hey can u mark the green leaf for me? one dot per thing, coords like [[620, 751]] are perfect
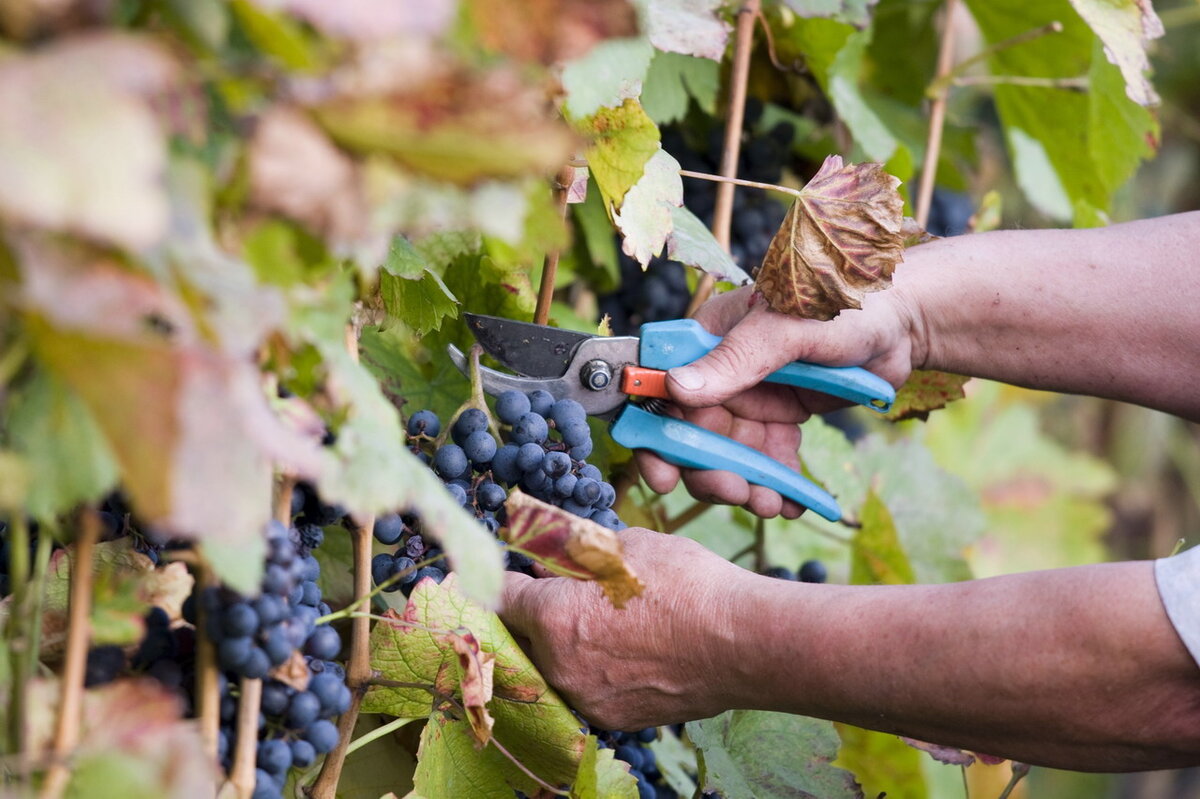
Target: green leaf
[[449, 765], [768, 755], [404, 260], [276, 35], [692, 243], [606, 75], [436, 384], [285, 254], [1071, 150], [877, 558], [883, 763], [420, 304], [532, 722], [676, 761], [596, 234], [602, 776], [673, 80], [854, 12], [623, 140], [67, 458]]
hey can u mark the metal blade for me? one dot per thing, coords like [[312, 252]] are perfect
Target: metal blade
[[601, 401], [527, 349]]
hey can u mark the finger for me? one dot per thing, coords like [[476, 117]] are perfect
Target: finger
[[750, 351], [764, 503], [517, 606], [661, 476], [717, 486]]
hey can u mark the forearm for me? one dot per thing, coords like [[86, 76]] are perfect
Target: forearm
[[1076, 668], [1112, 312]]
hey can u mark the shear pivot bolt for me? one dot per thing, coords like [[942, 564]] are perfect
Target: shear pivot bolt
[[597, 375]]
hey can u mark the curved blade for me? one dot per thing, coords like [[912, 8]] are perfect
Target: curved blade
[[528, 349]]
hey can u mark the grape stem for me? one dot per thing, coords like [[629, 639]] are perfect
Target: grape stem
[[1019, 770], [377, 733], [747, 16], [241, 775], [70, 705], [208, 694], [349, 611], [358, 666], [751, 184], [478, 399]]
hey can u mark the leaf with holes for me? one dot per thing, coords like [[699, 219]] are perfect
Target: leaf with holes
[[1126, 28], [645, 218], [570, 546], [841, 239]]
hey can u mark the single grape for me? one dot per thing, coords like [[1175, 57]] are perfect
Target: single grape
[[608, 496], [582, 451], [529, 457], [480, 448], [302, 710], [472, 420], [324, 643], [257, 665], [576, 433], [458, 492], [274, 756], [381, 567], [556, 464], [607, 518], [323, 736], [587, 491], [504, 463], [424, 423], [270, 609], [312, 593], [566, 411], [265, 786], [530, 428], [565, 486], [232, 653], [511, 406], [303, 754], [540, 402], [275, 698], [589, 470], [450, 462], [780, 573], [489, 496], [813, 571], [388, 528]]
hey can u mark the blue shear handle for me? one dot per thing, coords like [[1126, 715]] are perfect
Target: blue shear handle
[[685, 444], [677, 342]]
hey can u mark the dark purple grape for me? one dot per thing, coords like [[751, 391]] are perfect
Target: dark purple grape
[[424, 423], [540, 402], [511, 406], [388, 528]]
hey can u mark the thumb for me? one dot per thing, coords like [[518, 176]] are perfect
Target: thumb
[[750, 351]]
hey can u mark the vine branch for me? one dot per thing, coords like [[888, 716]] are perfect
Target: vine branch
[[358, 666], [937, 114], [747, 15], [550, 267], [241, 775], [70, 703]]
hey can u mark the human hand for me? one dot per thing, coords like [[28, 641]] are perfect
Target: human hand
[[723, 390], [660, 660]]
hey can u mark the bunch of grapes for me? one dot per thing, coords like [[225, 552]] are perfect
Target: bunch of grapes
[[545, 455], [659, 293]]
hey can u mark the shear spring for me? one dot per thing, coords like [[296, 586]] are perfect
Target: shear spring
[[654, 405]]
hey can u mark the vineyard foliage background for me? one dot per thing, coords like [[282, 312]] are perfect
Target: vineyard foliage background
[[202, 201]]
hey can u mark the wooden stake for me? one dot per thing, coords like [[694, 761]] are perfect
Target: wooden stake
[[937, 115]]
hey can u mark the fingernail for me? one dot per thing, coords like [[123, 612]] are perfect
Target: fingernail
[[687, 378]]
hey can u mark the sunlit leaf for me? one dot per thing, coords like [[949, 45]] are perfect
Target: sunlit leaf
[[646, 215], [607, 76], [692, 243], [571, 546], [691, 27], [623, 140], [876, 556], [1126, 28], [421, 304], [840, 240], [675, 79]]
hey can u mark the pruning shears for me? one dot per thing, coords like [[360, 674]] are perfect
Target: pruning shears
[[623, 379]]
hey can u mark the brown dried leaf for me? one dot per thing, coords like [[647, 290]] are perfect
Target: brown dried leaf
[[570, 546], [951, 755], [926, 391], [841, 239], [296, 171], [550, 31], [913, 234], [476, 669], [293, 672]]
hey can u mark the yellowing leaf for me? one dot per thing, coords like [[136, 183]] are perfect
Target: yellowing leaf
[[83, 150], [841, 239], [602, 776], [623, 140], [877, 556], [570, 546], [457, 126], [926, 391], [1126, 28]]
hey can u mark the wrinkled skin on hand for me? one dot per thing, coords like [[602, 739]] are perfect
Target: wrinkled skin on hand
[[723, 392], [657, 661]]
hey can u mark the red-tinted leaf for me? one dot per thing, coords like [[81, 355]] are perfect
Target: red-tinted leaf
[[476, 669], [570, 546], [550, 31], [926, 391], [841, 239]]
